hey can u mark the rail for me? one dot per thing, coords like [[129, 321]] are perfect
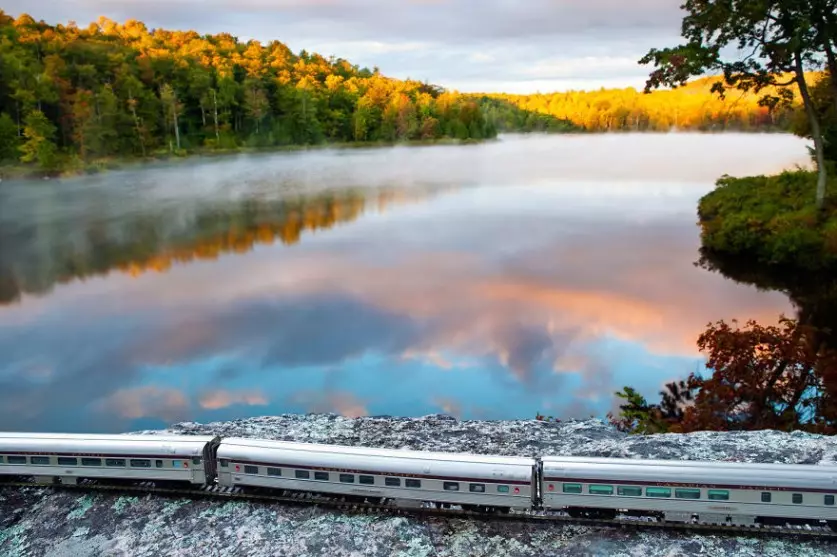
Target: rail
[[352, 507]]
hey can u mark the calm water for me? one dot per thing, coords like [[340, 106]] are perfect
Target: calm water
[[489, 281]]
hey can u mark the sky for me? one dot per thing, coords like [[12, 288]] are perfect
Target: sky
[[515, 46]]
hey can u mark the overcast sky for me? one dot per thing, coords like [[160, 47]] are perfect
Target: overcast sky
[[471, 45]]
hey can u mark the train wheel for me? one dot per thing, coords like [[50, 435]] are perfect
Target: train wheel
[[582, 512], [832, 524]]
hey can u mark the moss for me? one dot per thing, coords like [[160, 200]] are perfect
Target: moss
[[84, 505], [772, 220]]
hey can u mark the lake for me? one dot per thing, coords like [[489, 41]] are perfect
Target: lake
[[493, 281]]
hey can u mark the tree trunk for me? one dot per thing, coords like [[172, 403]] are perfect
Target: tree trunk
[[832, 70], [176, 127], [133, 106], [816, 132], [217, 135]]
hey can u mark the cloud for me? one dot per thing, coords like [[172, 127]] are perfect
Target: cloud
[[343, 403], [145, 402], [448, 406], [214, 400]]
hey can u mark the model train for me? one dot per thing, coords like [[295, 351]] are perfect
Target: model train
[[681, 491]]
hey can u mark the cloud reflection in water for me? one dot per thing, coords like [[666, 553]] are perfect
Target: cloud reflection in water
[[489, 301]]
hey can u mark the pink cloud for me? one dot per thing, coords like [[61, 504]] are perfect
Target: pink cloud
[[145, 402], [214, 400]]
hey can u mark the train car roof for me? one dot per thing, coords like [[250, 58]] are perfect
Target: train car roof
[[105, 436], [373, 451], [721, 474], [158, 445], [458, 466], [685, 463]]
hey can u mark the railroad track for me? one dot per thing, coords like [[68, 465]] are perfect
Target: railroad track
[[341, 504]]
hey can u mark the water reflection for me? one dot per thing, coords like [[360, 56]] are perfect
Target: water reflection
[[494, 291], [35, 255]]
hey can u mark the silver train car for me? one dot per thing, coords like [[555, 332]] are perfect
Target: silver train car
[[709, 492], [64, 458], [677, 491], [407, 477]]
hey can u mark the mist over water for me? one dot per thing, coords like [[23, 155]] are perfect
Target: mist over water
[[492, 281]]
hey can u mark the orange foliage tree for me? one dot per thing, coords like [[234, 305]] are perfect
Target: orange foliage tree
[[762, 377]]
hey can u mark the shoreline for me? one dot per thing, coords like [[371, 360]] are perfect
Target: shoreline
[[29, 173], [21, 172]]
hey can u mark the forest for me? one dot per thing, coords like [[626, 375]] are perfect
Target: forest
[[71, 95], [691, 107], [75, 99]]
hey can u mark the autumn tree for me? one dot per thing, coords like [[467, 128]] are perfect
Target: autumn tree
[[39, 146], [780, 377], [172, 107], [780, 39]]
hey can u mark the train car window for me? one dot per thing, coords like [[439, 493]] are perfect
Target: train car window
[[829, 500], [302, 474], [1, 460], [451, 486], [274, 471], [114, 462], [502, 489], [719, 495], [413, 483], [196, 460], [347, 478], [477, 488], [765, 496], [323, 476], [572, 488], [67, 461], [251, 469], [17, 460], [367, 480], [140, 463], [629, 491], [40, 460], [225, 463], [158, 463], [600, 489], [658, 492], [687, 493], [91, 461], [392, 482], [797, 498]]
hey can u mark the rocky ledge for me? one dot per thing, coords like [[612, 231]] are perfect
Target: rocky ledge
[[42, 522]]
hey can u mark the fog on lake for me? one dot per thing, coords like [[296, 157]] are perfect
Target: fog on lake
[[537, 273]]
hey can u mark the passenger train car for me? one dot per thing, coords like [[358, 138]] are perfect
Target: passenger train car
[[681, 491], [711, 492], [486, 482], [65, 457]]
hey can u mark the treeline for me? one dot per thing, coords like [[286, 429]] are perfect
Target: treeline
[[505, 116], [692, 107], [70, 95]]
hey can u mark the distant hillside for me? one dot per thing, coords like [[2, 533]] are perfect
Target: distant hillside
[[692, 107], [70, 95]]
